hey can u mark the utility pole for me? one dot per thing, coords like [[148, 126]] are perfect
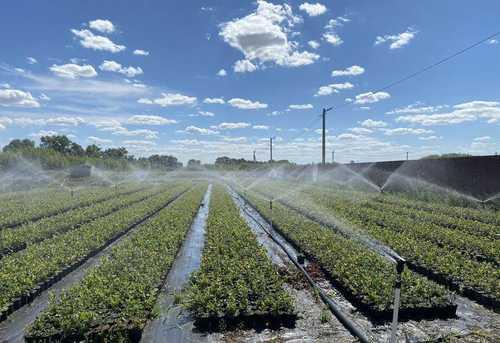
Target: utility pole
[[333, 156], [271, 149], [323, 136], [407, 155], [254, 159]]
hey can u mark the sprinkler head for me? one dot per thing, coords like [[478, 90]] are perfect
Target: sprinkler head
[[400, 266], [270, 204]]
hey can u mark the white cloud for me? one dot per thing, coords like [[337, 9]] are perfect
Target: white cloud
[[91, 41], [465, 112], [138, 144], [65, 121], [275, 113], [169, 99], [73, 71], [360, 130], [337, 22], [218, 101], [351, 71], [150, 120], [313, 10], [260, 127], [141, 52], [332, 38], [44, 97], [231, 126], [121, 131], [99, 141], [482, 139], [235, 139], [416, 108], [2, 126], [370, 97], [262, 36], [397, 40], [4, 85], [406, 131], [116, 67], [301, 107], [43, 133], [333, 88], [430, 138], [244, 66], [206, 114], [200, 130], [222, 72], [370, 123], [313, 44], [17, 98], [31, 60], [102, 25], [246, 104], [493, 41]]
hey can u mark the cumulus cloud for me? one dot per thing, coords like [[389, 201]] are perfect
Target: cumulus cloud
[[406, 131], [301, 107], [116, 67], [231, 126], [245, 104], [122, 131], [141, 52], [102, 25], [44, 97], [351, 71], [332, 38], [336, 22], [218, 101], [31, 60], [370, 97], [17, 98], [360, 130], [313, 44], [370, 123], [169, 99], [206, 114], [244, 66], [260, 127], [262, 36], [150, 120], [465, 112], [398, 40], [99, 141], [200, 130], [333, 88], [417, 108], [313, 10], [91, 41], [73, 71], [222, 72]]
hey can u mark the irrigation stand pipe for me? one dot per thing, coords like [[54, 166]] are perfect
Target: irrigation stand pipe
[[353, 329], [397, 296]]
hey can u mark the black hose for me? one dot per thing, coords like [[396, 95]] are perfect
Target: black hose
[[348, 324]]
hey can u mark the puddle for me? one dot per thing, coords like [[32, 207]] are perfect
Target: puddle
[[173, 322]]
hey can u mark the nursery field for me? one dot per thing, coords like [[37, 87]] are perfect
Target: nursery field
[[111, 249]]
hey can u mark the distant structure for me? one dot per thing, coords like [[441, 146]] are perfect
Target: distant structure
[[81, 170]]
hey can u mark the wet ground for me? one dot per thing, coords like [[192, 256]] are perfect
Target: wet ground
[[474, 323]]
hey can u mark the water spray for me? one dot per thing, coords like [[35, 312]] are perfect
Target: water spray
[[400, 265]]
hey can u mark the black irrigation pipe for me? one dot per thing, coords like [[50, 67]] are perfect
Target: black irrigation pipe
[[348, 323], [374, 315], [486, 300], [66, 209], [15, 248], [42, 286]]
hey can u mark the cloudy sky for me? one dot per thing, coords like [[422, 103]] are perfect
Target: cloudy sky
[[201, 79]]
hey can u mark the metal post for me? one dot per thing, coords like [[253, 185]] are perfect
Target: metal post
[[254, 159], [333, 156], [271, 149], [397, 295], [407, 155], [271, 215], [323, 138]]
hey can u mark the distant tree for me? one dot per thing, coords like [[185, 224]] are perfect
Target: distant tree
[[116, 153], [194, 164], [59, 143], [93, 151], [165, 162], [449, 155], [18, 144], [76, 149]]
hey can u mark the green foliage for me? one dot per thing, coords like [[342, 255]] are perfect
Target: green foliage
[[21, 272], [120, 294], [235, 278]]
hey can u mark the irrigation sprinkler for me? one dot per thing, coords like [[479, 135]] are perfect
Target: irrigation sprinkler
[[400, 265], [271, 215]]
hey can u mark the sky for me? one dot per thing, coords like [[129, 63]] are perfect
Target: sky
[[202, 79]]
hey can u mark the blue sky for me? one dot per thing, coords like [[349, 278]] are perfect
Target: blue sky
[[205, 79]]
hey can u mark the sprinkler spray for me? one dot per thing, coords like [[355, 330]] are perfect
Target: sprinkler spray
[[400, 265]]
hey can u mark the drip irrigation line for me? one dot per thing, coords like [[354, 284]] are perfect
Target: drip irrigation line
[[428, 67]]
